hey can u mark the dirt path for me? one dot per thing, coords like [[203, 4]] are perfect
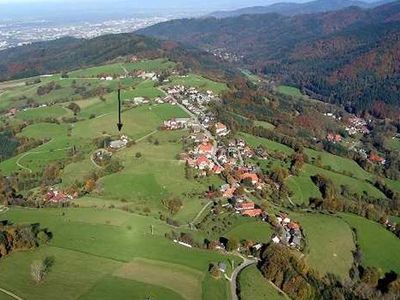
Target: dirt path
[[146, 136], [12, 295], [201, 212]]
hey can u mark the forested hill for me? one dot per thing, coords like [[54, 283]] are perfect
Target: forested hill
[[67, 54], [293, 8], [351, 56]]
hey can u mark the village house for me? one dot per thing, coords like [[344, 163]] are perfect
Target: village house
[[375, 158], [205, 148], [203, 163], [56, 196], [118, 144], [221, 129]]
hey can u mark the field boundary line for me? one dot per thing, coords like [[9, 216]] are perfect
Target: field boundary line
[[37, 152], [12, 295]]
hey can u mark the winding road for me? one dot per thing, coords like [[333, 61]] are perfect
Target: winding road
[[233, 279]]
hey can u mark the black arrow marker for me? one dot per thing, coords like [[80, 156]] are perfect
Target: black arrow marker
[[119, 124]]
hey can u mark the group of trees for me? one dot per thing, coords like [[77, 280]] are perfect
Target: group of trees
[[292, 275], [47, 88], [21, 237]]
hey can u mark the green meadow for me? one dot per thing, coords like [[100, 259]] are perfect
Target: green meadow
[[107, 248], [303, 188], [290, 91], [379, 247], [329, 243], [255, 141], [119, 68], [253, 231]]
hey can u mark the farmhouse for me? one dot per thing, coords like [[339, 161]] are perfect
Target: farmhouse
[[252, 212], [56, 196], [118, 144], [176, 123]]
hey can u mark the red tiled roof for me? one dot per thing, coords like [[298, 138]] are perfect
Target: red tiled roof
[[205, 148], [247, 205], [252, 176], [252, 212]]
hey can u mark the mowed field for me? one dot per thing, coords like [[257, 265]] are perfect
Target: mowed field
[[379, 247], [259, 232], [94, 247], [329, 243]]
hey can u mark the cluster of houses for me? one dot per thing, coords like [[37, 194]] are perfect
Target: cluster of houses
[[248, 209], [357, 125], [290, 235], [56, 196], [334, 138], [192, 99]]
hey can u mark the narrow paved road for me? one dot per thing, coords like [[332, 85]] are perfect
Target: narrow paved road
[[233, 280], [12, 295]]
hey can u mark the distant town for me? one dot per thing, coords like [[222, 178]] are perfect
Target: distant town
[[13, 34]]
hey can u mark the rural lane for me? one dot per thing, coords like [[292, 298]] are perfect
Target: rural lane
[[233, 280]]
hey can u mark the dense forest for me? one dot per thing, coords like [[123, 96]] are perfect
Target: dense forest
[[349, 56]]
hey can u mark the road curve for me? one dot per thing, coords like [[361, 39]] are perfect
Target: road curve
[[233, 280]]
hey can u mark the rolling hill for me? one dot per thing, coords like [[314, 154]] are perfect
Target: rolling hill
[[69, 53], [293, 8], [349, 56]]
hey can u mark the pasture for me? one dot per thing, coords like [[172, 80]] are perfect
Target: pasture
[[339, 164], [329, 243], [290, 91], [42, 113], [270, 145], [355, 185], [252, 231], [107, 246], [379, 247], [303, 188]]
